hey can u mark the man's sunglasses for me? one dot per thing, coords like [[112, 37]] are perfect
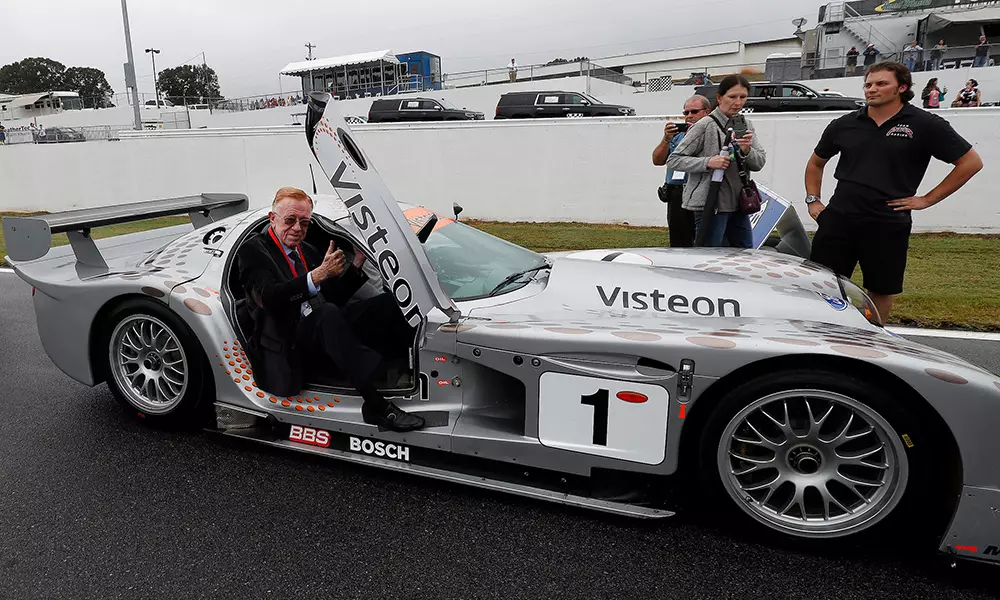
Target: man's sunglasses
[[692, 111], [290, 221]]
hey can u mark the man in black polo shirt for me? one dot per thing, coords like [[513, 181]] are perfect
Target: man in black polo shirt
[[884, 149]]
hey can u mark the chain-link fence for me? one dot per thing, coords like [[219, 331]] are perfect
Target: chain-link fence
[[61, 135]]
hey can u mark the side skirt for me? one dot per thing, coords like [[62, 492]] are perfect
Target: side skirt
[[265, 435]]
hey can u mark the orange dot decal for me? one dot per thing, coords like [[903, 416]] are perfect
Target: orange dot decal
[[322, 408], [298, 408], [232, 364], [236, 379], [248, 388], [274, 400], [228, 372], [316, 398], [286, 403], [239, 370], [311, 408], [260, 394], [309, 400], [330, 404], [227, 356], [246, 378]]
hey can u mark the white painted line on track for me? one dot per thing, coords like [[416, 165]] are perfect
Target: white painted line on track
[[6, 270], [946, 333]]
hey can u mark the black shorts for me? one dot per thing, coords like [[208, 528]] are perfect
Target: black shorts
[[880, 246]]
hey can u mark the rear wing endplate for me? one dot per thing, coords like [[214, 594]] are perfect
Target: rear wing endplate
[[29, 238]]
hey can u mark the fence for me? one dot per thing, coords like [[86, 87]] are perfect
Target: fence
[[533, 73], [58, 135]]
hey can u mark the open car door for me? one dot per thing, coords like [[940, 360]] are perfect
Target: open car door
[[386, 232]]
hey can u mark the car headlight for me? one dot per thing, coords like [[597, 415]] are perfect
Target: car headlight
[[624, 111], [860, 300]]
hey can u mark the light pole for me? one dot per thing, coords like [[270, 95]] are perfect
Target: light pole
[[130, 70], [153, 52]]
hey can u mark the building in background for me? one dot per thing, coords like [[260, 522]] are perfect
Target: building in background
[[28, 106], [367, 74], [892, 24]]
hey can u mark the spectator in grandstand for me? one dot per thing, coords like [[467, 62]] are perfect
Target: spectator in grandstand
[[969, 96], [931, 94], [937, 53], [885, 149], [852, 60], [699, 154], [982, 53], [512, 71], [3, 134], [680, 222], [911, 54], [871, 53]]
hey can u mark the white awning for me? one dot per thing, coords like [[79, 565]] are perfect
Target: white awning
[[981, 15], [26, 100], [305, 66]]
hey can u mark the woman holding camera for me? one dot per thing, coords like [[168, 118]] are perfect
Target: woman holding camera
[[700, 154]]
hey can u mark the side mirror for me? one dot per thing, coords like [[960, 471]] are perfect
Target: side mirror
[[810, 95], [455, 206], [438, 107]]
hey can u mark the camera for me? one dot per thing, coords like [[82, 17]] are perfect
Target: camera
[[681, 127]]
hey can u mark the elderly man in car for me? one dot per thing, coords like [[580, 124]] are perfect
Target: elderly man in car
[[299, 295]]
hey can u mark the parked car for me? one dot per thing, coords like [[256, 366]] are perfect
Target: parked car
[[786, 97], [55, 135], [527, 105], [419, 109]]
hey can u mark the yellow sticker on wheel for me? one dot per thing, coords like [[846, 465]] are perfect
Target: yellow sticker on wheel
[[907, 441]]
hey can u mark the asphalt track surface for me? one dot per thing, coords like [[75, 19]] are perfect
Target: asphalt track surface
[[95, 504]]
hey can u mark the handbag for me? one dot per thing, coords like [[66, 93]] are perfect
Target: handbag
[[749, 196], [661, 193]]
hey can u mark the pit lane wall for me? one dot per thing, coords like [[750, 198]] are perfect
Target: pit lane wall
[[590, 170]]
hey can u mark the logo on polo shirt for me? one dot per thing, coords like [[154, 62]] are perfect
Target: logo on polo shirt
[[900, 131]]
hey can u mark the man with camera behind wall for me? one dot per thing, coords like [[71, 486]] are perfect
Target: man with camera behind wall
[[680, 222]]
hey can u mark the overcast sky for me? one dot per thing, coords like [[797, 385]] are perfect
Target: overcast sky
[[247, 42]]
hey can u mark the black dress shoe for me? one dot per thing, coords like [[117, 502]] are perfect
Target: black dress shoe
[[393, 418]]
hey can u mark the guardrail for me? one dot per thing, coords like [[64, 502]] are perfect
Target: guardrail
[[59, 135]]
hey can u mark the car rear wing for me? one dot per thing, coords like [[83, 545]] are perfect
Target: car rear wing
[[29, 238]]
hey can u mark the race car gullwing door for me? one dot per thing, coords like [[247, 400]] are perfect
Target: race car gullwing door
[[385, 230]]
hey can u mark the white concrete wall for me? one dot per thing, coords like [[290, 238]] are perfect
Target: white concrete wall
[[592, 170]]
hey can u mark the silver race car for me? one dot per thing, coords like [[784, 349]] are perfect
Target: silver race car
[[586, 378]]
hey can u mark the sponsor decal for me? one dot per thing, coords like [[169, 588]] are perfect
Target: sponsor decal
[[992, 551], [907, 440], [677, 303], [836, 303], [901, 131], [308, 435], [967, 548], [378, 245], [380, 449], [443, 382], [440, 359]]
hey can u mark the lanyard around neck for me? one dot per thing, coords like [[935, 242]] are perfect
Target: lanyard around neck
[[288, 260]]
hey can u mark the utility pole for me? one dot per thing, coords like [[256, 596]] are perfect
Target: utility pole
[[153, 52], [130, 70], [204, 66]]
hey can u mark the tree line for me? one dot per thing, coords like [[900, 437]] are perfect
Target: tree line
[[37, 75]]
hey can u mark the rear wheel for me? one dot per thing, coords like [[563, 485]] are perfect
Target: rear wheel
[[155, 364], [818, 455]]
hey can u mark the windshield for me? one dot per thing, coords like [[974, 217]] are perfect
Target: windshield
[[447, 104], [591, 98], [470, 263]]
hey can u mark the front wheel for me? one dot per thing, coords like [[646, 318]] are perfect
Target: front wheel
[[817, 455], [155, 364]]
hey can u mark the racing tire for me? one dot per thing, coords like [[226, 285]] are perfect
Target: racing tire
[[154, 364], [822, 459]]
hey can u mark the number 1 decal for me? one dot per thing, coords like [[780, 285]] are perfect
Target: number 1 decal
[[612, 418], [599, 401]]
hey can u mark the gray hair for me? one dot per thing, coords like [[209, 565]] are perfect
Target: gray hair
[[699, 98]]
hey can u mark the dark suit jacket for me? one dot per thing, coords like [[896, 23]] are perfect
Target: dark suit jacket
[[274, 298]]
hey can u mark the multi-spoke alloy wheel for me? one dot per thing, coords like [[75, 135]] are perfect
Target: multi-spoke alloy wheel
[[812, 463], [148, 364]]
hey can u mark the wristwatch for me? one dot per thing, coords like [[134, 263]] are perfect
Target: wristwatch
[[810, 199]]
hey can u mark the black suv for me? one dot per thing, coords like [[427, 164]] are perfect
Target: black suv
[[419, 109], [528, 105], [786, 97]]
